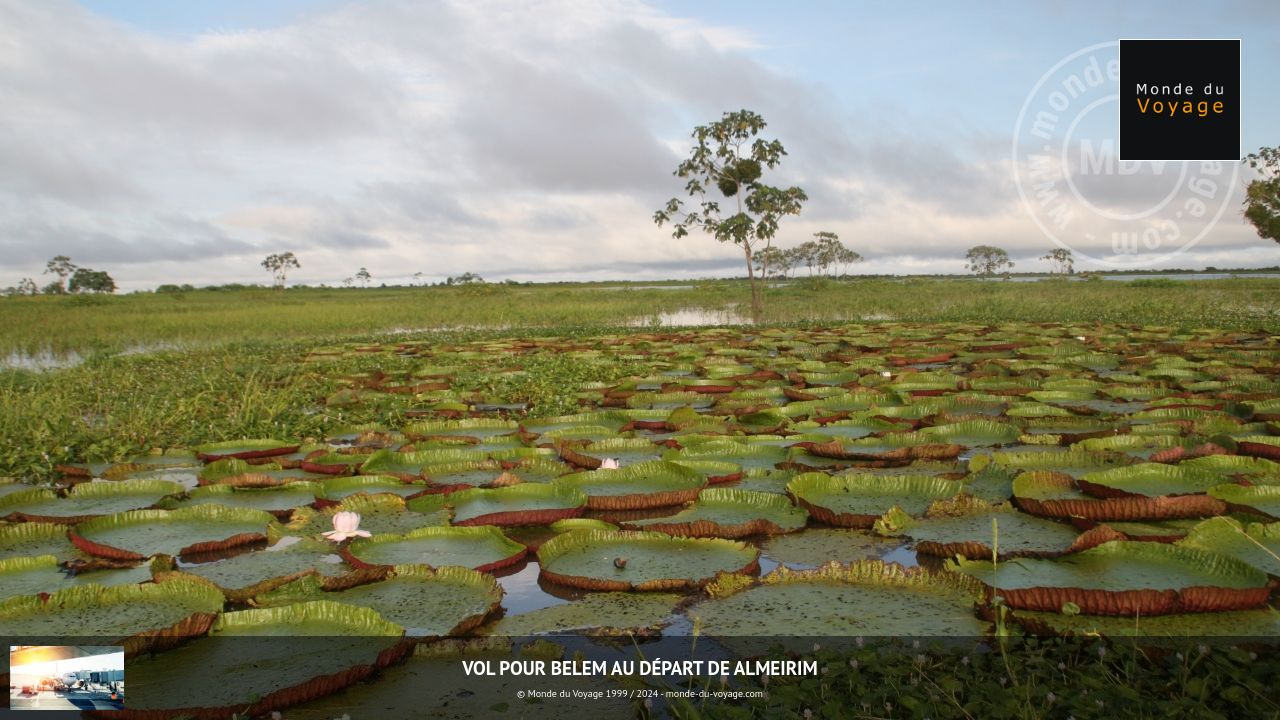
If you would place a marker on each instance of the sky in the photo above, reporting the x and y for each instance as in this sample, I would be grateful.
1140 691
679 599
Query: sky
182 142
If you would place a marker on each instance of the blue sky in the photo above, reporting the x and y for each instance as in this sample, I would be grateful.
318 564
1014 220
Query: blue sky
184 141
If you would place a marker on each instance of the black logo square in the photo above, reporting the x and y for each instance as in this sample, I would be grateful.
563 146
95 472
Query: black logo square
1180 100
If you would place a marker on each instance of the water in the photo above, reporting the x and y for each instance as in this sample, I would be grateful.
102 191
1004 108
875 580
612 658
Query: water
1163 276
46 359
692 317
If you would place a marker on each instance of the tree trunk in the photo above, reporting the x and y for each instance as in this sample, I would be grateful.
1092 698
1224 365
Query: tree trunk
757 301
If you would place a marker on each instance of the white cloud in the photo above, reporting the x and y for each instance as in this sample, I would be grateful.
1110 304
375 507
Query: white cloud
518 140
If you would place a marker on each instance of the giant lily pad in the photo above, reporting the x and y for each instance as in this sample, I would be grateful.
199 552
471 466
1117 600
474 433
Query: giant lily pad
1255 543
857 500
1148 480
1056 495
31 539
244 575
618 560
972 529
636 487
605 614
819 546
482 548
864 598
340 487
523 504
279 500
425 601
244 449
1263 499
1125 578
331 646
87 500
141 617
138 534
1252 624
410 465
379 514
974 433
42 574
729 513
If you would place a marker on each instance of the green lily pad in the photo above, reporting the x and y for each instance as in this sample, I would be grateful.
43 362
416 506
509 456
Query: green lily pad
1149 480
819 546
605 613
729 513
117 612
138 534
482 548
1125 578
974 530
273 499
244 575
331 646
636 487
523 504
337 488
974 433
243 449
425 601
88 499
411 465
1264 499
380 514
32 575
857 500
1252 624
1255 543
868 598
31 538
603 560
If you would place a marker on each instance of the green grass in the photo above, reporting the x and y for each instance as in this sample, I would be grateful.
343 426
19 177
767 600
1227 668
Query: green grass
60 325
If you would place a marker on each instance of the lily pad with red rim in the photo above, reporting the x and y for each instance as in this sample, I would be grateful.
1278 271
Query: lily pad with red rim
138 534
857 500
648 561
521 504
1125 578
142 617
244 449
425 601
331 646
636 487
729 513
483 548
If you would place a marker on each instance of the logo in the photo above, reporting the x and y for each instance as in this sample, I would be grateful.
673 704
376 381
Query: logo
1066 163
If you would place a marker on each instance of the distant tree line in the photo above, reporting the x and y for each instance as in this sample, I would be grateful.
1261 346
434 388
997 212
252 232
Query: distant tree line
69 278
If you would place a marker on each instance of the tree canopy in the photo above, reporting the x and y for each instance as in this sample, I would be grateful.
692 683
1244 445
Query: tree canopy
1262 196
279 265
987 260
729 156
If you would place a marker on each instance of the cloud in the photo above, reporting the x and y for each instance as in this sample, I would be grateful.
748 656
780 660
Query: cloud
509 139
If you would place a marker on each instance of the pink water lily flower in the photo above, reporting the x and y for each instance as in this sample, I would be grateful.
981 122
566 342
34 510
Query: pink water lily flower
609 464
346 525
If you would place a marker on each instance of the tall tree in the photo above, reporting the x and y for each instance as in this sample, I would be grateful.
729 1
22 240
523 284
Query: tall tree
279 265
364 277
62 267
94 281
729 156
987 260
1060 260
1262 196
771 258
